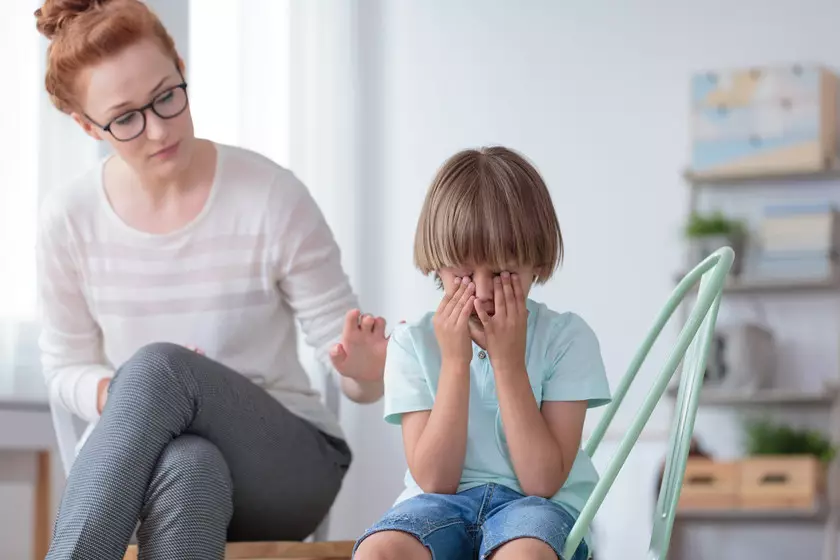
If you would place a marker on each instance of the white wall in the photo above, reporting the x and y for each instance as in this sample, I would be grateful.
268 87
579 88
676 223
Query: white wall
596 94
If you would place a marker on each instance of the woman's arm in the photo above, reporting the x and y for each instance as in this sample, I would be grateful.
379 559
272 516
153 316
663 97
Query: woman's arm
72 360
310 275
436 440
543 443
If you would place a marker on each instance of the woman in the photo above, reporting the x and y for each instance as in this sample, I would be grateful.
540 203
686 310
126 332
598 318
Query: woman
174 243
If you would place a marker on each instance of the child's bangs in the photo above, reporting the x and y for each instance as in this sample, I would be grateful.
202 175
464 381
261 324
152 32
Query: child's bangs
484 230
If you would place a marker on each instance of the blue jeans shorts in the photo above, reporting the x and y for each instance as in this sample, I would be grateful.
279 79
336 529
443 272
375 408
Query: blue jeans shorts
475 522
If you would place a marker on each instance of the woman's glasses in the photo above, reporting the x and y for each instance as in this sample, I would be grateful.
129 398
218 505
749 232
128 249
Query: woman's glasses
166 105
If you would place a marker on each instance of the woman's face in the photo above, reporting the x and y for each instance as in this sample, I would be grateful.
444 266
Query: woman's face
112 94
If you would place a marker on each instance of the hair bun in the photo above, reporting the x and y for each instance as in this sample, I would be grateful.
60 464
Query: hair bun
56 14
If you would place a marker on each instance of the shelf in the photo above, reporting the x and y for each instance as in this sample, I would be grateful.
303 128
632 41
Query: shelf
787 397
826 174
819 513
756 286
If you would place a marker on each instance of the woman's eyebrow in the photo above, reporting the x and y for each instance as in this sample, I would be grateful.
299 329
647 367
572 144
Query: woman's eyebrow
126 104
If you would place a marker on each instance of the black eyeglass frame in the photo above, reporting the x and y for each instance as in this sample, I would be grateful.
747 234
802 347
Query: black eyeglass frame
142 110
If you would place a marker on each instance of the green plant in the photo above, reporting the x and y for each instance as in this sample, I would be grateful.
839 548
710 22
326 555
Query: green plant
766 438
700 225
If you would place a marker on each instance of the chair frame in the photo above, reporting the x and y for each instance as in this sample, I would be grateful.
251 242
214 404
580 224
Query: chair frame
691 348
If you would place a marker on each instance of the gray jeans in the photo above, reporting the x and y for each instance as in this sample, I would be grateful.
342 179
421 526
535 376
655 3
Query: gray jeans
198 455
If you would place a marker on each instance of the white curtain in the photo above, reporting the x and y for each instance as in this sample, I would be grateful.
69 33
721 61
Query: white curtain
278 76
40 148
282 77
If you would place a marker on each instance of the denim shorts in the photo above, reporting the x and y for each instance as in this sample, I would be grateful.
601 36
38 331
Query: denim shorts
475 522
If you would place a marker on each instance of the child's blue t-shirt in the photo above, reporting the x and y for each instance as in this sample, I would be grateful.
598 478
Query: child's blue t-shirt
564 363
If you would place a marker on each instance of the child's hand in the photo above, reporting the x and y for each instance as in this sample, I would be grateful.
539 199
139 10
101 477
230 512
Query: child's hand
361 353
451 323
506 330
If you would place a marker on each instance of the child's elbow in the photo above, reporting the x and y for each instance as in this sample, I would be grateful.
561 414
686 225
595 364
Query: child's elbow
434 484
543 487
438 487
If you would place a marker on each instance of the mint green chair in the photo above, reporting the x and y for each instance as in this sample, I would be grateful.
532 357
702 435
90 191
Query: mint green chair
692 348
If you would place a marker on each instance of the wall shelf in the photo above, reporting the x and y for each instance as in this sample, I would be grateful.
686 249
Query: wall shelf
703 188
781 397
818 513
780 178
781 285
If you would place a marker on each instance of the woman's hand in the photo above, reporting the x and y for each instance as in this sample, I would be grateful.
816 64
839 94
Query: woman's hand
506 330
361 353
102 394
452 323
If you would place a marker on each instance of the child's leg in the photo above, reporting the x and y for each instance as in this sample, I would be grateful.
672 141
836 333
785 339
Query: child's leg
427 526
390 544
527 527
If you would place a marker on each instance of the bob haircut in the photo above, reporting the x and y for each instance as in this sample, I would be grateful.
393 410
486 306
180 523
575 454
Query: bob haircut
491 207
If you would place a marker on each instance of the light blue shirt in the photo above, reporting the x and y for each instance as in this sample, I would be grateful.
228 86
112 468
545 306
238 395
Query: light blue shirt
564 363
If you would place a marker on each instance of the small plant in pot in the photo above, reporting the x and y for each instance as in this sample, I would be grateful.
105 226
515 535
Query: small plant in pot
764 437
707 233
785 468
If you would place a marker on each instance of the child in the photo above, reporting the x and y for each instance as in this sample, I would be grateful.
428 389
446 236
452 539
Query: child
491 389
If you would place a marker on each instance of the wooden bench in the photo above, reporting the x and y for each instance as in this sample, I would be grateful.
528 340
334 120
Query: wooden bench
335 550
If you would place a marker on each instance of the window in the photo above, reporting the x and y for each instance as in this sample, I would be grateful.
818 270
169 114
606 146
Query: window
41 148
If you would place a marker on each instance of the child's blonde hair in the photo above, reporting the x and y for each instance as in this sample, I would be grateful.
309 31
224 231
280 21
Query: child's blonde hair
488 206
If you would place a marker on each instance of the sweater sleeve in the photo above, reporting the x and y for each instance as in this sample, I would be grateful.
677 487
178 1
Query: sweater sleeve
308 267
70 341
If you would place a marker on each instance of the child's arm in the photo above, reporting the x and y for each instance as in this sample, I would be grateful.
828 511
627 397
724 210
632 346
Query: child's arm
436 441
543 444
543 441
434 426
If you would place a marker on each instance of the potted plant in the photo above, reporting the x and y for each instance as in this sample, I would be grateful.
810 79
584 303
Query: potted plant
767 438
786 468
708 232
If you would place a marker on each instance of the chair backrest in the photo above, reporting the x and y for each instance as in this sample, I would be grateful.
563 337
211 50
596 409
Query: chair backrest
66 434
692 348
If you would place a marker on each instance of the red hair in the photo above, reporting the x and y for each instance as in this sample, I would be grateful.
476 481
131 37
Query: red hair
85 32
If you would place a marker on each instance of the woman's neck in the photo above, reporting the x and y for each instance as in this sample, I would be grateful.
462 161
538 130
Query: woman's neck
154 204
197 172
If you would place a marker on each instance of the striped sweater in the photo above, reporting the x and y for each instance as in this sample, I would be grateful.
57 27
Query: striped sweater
232 282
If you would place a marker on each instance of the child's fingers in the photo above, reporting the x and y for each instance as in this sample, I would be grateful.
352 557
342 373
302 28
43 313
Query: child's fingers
499 297
457 298
507 290
518 293
444 301
467 310
338 355
379 327
351 321
517 288
482 314
465 295
447 300
367 323
448 297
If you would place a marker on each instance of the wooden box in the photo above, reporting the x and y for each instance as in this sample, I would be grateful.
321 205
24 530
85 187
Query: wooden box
709 484
781 482
764 121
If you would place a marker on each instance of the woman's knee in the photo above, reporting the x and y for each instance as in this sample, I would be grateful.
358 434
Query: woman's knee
155 368
391 545
192 472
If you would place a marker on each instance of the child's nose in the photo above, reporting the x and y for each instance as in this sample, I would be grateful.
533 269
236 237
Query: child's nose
484 289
